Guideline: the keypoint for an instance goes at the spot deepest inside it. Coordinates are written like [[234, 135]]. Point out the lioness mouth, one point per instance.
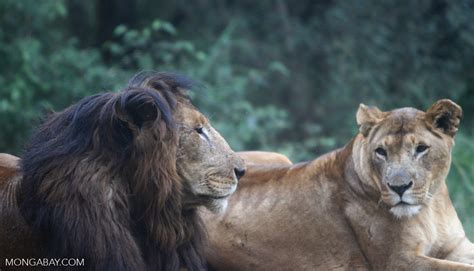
[[404, 209]]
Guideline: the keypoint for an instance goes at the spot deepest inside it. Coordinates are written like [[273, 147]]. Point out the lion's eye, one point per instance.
[[421, 148], [202, 133], [199, 130], [381, 151]]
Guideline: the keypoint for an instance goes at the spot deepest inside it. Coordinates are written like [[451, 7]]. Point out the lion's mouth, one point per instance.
[[218, 197], [217, 189]]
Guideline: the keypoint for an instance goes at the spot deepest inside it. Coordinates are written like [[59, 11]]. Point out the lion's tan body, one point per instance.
[[264, 158], [15, 236], [8, 166], [322, 215]]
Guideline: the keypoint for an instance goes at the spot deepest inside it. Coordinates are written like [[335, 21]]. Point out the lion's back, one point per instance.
[[16, 240]]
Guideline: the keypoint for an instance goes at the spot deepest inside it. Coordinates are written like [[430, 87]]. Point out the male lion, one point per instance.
[[116, 179], [8, 167], [379, 203]]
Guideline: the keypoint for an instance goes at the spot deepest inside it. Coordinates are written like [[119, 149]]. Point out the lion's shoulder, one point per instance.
[[9, 166]]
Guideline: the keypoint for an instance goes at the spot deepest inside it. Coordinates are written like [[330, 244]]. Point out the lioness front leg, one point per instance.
[[422, 262], [463, 253]]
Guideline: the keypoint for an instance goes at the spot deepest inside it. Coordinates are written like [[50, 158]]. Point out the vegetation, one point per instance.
[[279, 75]]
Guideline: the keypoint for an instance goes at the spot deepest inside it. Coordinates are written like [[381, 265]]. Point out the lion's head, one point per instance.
[[405, 154], [205, 162]]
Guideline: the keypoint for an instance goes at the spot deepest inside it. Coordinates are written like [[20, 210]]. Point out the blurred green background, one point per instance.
[[279, 75]]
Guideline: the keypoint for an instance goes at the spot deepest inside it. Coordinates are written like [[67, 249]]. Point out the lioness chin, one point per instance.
[[379, 203]]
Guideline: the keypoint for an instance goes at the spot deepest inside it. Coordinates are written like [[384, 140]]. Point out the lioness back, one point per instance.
[[264, 158], [274, 223]]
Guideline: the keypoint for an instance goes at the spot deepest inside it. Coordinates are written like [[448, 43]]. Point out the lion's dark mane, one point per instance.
[[100, 181]]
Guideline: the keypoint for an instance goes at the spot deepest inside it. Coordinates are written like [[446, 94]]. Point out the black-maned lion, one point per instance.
[[116, 179], [379, 203]]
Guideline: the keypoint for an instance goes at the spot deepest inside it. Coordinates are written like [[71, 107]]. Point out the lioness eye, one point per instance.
[[381, 151], [421, 148]]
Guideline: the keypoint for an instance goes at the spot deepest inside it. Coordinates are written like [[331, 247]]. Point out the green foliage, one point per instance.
[[42, 70], [279, 75], [460, 183], [224, 97]]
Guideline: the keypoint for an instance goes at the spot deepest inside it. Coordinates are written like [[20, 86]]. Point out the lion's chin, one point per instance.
[[405, 210], [217, 206]]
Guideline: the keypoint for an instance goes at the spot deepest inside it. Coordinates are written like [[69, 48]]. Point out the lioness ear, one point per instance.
[[444, 115], [136, 108], [367, 117]]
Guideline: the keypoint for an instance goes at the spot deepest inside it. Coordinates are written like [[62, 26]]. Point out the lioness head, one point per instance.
[[406, 153]]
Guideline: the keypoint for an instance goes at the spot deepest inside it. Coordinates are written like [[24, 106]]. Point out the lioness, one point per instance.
[[379, 203]]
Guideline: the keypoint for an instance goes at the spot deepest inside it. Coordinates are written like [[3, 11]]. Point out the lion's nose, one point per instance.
[[239, 172], [400, 189]]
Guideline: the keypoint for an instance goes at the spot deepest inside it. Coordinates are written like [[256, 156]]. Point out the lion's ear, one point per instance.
[[444, 115], [367, 117], [137, 108]]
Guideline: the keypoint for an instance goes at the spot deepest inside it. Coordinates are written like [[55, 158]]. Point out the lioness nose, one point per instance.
[[239, 172], [400, 189]]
